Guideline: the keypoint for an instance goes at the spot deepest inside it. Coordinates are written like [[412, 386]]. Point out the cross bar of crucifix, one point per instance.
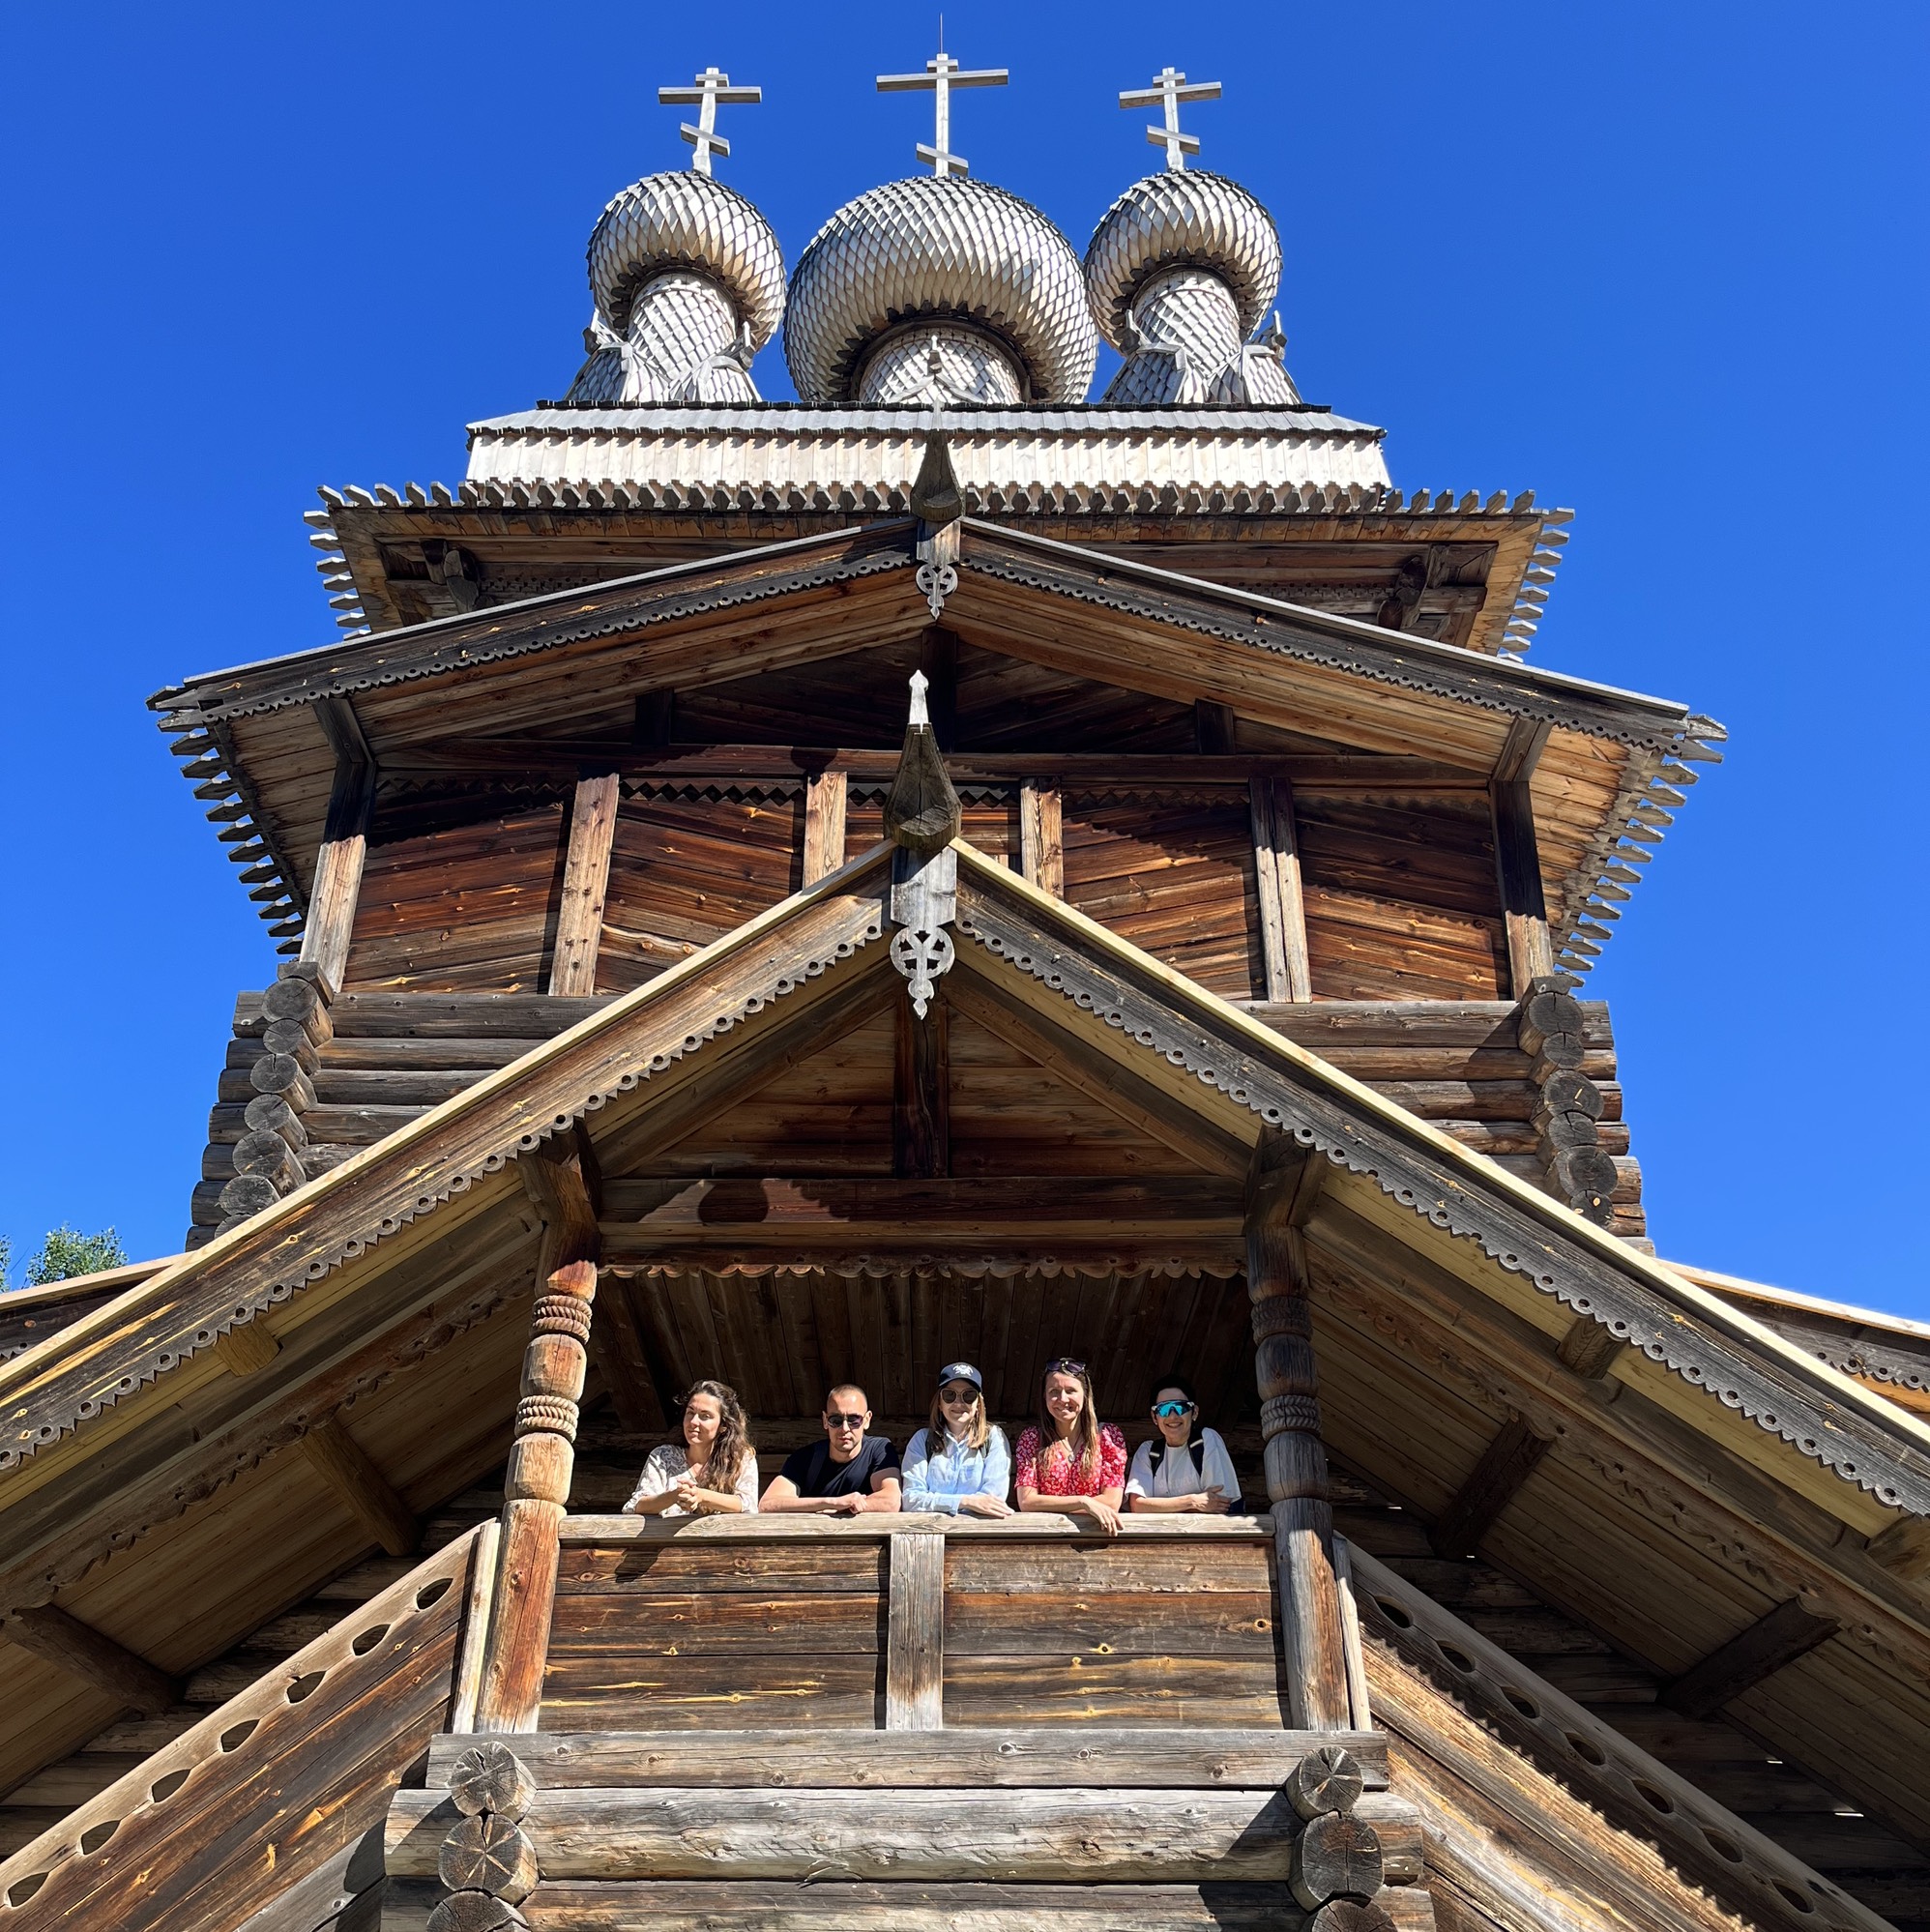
[[710, 89], [942, 75], [1169, 88]]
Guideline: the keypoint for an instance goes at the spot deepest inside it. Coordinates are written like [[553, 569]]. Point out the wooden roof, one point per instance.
[[501, 680], [1702, 1469]]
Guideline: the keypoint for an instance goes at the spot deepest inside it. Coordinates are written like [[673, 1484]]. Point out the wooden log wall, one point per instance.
[[390, 1056], [460, 892], [688, 865], [1272, 893], [1008, 1829]]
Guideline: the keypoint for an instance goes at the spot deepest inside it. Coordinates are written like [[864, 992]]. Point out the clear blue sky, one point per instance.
[[1663, 264]]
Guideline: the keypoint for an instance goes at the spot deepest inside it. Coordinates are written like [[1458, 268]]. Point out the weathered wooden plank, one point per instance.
[[1080, 1687], [348, 1469], [1016, 1756], [1085, 1835], [589, 1905], [825, 802], [1119, 1622], [922, 1091], [586, 875], [589, 1692], [914, 1664], [639, 1215], [341, 859], [58, 1637], [712, 1622], [1531, 952], [1042, 838], [1282, 900]]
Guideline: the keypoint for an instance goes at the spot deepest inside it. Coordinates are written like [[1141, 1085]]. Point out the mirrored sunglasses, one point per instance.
[[1172, 1410]]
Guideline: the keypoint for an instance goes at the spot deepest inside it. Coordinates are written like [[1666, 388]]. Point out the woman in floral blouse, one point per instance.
[[1068, 1464]]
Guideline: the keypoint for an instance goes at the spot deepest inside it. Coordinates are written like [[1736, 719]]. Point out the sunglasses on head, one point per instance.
[[1064, 1366], [1170, 1410], [844, 1421]]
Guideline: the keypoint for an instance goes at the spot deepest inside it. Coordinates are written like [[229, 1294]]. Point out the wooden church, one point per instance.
[[950, 867]]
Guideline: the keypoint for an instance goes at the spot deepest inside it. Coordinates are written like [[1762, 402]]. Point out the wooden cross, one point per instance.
[[1168, 90], [942, 75], [705, 93]]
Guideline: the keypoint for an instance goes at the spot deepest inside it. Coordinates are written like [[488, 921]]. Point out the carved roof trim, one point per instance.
[[1323, 637], [1713, 1345], [445, 644], [77, 1374]]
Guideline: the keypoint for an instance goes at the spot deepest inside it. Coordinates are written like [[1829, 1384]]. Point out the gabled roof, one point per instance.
[[1716, 1444], [1231, 1067], [1616, 759]]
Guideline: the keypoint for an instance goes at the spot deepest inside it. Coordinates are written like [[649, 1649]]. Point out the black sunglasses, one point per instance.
[[844, 1421], [1064, 1366]]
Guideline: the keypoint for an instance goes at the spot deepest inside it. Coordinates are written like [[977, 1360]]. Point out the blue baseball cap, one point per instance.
[[961, 1371]]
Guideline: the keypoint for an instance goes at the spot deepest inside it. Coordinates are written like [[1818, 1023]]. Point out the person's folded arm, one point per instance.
[[782, 1496], [886, 1496]]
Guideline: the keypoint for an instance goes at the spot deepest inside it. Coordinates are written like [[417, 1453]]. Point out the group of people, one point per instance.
[[1067, 1463]]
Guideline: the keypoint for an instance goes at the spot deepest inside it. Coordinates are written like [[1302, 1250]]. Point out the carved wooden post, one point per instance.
[[541, 1459], [1286, 1180]]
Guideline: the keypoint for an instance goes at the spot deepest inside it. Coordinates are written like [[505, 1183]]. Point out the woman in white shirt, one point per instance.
[[1185, 1467], [713, 1472]]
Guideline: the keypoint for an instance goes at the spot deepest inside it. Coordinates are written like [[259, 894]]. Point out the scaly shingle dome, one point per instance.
[[993, 284]]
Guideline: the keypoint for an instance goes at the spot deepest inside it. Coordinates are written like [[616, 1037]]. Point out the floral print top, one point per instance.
[[1058, 1471]]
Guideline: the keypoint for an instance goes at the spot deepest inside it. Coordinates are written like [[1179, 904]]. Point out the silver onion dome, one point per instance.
[[688, 284], [1178, 273], [939, 288], [1188, 218], [687, 220]]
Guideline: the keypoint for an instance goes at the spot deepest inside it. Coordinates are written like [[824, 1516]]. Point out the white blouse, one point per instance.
[[669, 1461]]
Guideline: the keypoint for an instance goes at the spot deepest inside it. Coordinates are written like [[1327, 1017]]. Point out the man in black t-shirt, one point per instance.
[[846, 1472]]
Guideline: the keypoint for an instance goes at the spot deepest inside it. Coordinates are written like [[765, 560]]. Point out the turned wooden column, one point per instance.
[[1285, 1179], [541, 1459]]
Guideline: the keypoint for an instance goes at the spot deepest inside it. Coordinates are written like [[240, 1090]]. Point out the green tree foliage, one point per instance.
[[67, 1252]]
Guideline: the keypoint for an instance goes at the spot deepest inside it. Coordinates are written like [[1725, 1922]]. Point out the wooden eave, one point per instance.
[[253, 743], [1886, 1353], [605, 530]]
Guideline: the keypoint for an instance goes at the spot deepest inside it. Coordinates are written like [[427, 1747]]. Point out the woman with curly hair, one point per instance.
[[713, 1472], [1068, 1465]]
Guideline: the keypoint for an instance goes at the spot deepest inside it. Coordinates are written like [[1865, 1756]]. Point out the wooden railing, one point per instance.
[[266, 1791], [907, 1623]]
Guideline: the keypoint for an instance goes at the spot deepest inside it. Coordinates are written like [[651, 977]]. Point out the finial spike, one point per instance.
[[710, 89], [1169, 88], [942, 75], [936, 498], [922, 810]]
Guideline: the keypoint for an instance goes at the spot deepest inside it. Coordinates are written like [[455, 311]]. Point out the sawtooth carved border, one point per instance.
[[1504, 1231], [604, 1072]]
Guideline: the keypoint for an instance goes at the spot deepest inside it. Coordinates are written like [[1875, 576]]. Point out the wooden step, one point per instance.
[[1007, 1756], [842, 1907]]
